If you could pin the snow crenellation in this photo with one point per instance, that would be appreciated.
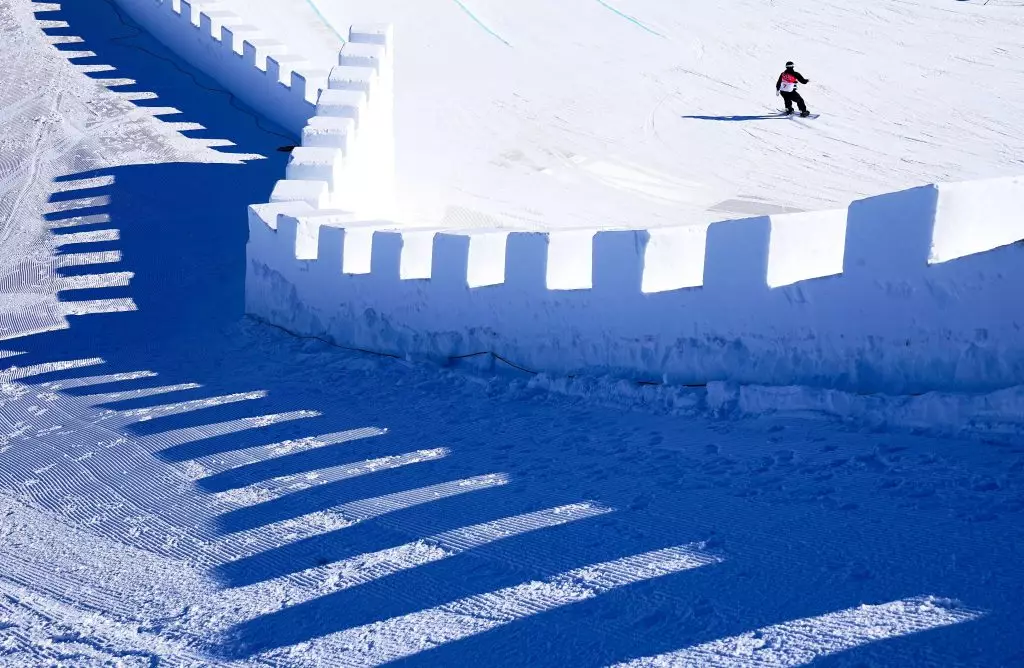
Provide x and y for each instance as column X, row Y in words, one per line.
column 346, row 160
column 901, row 293
column 257, row 69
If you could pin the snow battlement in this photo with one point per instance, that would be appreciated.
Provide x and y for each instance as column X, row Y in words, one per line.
column 346, row 160
column 905, row 292
column 254, row 67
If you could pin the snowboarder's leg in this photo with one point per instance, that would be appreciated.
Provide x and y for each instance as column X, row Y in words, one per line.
column 788, row 97
column 799, row 102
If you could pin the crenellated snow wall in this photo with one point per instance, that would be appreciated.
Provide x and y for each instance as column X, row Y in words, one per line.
column 906, row 292
column 255, row 68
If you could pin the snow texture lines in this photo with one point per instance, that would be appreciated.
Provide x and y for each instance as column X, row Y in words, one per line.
column 476, row 19
column 629, row 18
column 401, row 637
column 804, row 641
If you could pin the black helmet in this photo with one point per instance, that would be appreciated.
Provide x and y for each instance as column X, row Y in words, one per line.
column 789, row 63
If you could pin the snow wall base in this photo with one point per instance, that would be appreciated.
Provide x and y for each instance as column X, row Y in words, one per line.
column 902, row 293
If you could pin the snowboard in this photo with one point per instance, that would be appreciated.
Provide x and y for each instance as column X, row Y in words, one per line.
column 797, row 115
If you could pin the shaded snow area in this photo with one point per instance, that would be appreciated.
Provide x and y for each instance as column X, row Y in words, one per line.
column 639, row 113
column 182, row 486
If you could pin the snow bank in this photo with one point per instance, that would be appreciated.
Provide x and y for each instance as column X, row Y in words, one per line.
column 906, row 292
column 256, row 69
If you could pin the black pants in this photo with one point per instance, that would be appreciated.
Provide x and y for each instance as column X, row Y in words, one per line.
column 790, row 98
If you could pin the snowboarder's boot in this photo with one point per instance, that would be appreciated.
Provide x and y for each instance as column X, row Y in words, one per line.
column 788, row 112
column 804, row 113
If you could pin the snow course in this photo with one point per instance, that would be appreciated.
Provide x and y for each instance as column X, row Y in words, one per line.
column 180, row 485
column 906, row 310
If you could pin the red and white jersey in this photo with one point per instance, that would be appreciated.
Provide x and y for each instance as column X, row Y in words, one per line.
column 787, row 83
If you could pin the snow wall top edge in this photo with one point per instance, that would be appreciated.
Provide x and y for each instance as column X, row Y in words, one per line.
column 253, row 66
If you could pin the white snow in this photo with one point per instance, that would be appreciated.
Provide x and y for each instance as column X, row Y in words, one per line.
column 182, row 486
column 603, row 113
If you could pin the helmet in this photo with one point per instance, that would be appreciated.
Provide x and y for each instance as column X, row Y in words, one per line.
column 789, row 63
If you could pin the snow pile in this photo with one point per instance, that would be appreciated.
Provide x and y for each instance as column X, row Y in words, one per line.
column 903, row 293
column 257, row 69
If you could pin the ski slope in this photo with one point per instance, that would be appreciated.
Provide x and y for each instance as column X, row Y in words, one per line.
column 636, row 113
column 181, row 486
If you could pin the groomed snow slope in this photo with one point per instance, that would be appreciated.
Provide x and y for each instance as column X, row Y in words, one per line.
column 181, row 487
column 635, row 113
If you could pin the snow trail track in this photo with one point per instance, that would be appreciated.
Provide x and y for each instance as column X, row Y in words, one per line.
column 180, row 486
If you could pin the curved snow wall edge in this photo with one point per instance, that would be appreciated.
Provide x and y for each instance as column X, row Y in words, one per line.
column 258, row 70
column 906, row 292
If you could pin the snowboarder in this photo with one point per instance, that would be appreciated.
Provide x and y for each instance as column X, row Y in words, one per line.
column 786, row 87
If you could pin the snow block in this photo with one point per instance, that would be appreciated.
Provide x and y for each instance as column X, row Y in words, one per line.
column 314, row 193
column 364, row 54
column 330, row 132
column 372, row 33
column 386, row 256
column 310, row 163
column 570, row 263
column 212, row 20
column 254, row 67
column 449, row 263
column 977, row 216
column 890, row 235
column 487, row 256
column 674, row 258
column 256, row 50
column 357, row 252
column 329, row 253
column 526, row 261
column 805, row 246
column 310, row 228
column 736, row 263
column 346, row 77
column 341, row 104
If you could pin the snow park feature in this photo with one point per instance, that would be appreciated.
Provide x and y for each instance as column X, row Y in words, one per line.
column 184, row 485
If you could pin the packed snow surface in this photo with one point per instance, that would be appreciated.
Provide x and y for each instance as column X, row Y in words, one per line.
column 180, row 486
column 637, row 113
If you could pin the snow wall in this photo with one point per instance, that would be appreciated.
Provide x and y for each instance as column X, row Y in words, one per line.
column 256, row 69
column 902, row 293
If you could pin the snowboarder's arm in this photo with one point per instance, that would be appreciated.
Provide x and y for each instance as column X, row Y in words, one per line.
column 800, row 78
column 778, row 84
